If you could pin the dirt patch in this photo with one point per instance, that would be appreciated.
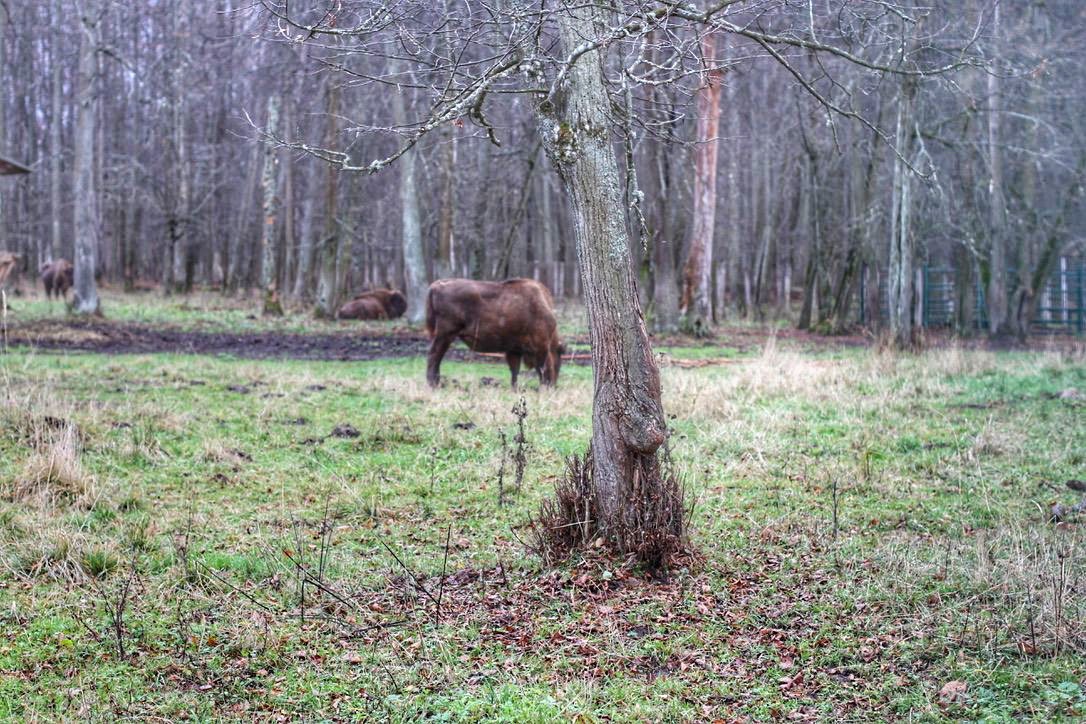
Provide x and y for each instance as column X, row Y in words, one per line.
column 106, row 337
column 125, row 338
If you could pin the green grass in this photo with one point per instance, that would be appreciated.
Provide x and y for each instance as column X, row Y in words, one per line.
column 941, row 567
column 203, row 311
column 207, row 311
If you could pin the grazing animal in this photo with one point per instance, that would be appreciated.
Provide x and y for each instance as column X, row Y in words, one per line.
column 362, row 307
column 392, row 302
column 56, row 276
column 515, row 317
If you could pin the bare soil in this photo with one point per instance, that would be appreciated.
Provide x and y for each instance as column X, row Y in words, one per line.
column 129, row 338
column 107, row 337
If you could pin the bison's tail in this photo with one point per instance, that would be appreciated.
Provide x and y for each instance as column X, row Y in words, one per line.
column 431, row 317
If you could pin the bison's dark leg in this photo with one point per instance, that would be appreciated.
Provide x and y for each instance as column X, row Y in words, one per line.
column 438, row 348
column 514, row 366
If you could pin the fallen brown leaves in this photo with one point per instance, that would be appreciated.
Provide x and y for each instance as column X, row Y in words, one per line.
column 733, row 630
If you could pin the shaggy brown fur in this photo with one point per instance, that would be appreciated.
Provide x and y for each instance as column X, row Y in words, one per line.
column 56, row 275
column 362, row 308
column 391, row 301
column 515, row 317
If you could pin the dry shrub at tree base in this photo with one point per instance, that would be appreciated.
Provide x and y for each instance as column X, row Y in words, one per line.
column 652, row 530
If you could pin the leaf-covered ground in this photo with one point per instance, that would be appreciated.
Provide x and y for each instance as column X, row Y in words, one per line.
column 199, row 537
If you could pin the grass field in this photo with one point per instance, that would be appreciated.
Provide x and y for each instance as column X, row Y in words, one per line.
column 199, row 537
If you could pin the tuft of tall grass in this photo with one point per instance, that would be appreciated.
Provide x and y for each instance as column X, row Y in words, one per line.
column 54, row 475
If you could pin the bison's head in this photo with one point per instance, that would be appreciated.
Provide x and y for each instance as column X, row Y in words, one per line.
column 397, row 305
column 552, row 364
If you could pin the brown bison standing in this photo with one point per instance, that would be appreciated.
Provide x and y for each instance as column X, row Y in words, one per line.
column 377, row 304
column 515, row 317
column 56, row 275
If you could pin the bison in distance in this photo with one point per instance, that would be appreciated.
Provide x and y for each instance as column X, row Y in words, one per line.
column 56, row 277
column 376, row 304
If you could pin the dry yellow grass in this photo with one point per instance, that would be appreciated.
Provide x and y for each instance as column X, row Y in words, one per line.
column 53, row 475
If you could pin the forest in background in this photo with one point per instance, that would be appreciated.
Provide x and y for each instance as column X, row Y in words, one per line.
column 180, row 186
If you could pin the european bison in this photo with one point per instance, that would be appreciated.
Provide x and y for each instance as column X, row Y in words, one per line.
column 376, row 304
column 515, row 317
column 362, row 308
column 56, row 275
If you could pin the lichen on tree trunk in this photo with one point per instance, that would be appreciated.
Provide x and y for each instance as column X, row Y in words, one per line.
column 628, row 418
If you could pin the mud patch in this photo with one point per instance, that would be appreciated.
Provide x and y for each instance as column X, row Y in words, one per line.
column 123, row 338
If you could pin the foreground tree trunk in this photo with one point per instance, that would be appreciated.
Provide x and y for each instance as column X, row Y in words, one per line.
column 86, row 197
column 628, row 425
column 697, row 290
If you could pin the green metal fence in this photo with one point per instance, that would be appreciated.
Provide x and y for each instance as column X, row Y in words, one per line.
column 1061, row 303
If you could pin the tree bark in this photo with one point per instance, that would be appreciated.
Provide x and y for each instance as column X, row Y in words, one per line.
column 665, row 299
column 328, row 280
column 864, row 185
column 547, row 252
column 809, row 224
column 268, row 272
column 733, row 223
column 414, row 256
column 697, row 302
column 53, row 243
column 286, row 200
column 628, row 423
column 901, row 303
column 302, row 286
column 443, row 264
column 177, row 279
column 86, row 221
column 997, row 204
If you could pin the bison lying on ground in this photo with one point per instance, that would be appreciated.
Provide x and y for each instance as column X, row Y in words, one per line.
column 56, row 275
column 377, row 304
column 362, row 308
column 515, row 317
